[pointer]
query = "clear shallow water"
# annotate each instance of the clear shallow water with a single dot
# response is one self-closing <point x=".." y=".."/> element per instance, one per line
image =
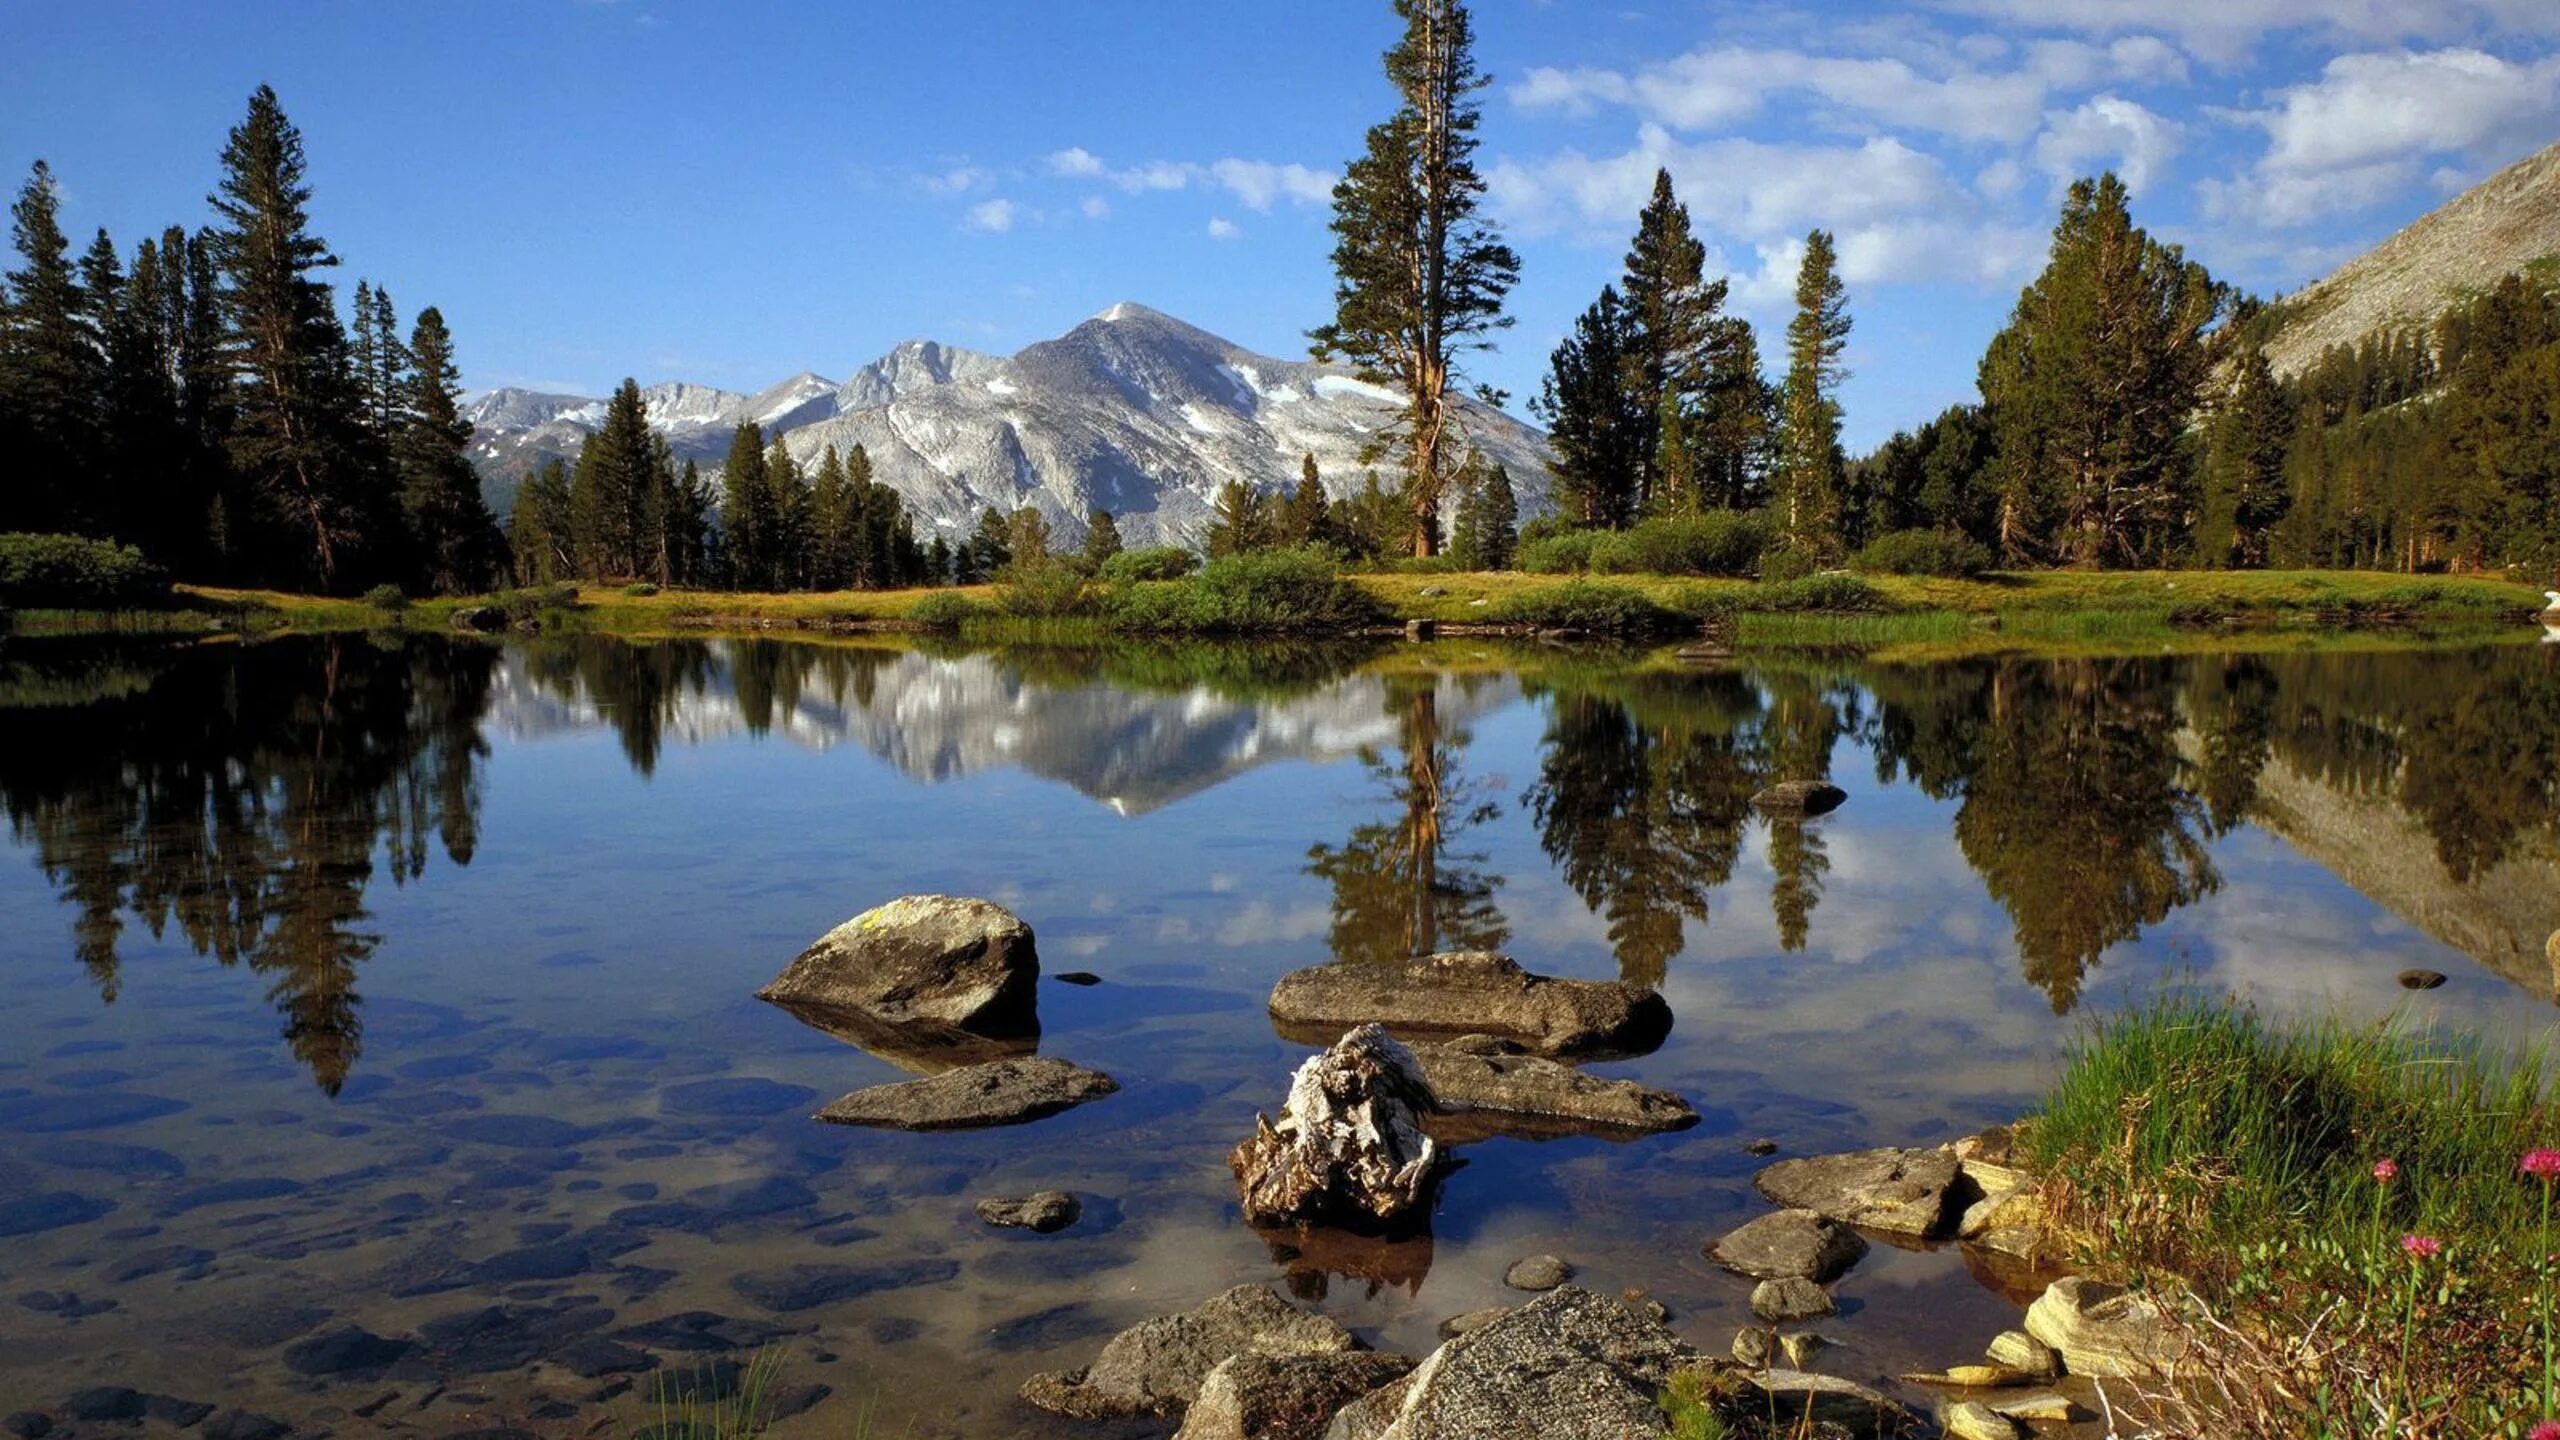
<point x="382" y="982"/>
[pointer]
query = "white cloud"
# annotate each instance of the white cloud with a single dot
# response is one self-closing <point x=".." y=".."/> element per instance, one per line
<point x="1259" y="182"/>
<point x="958" y="180"/>
<point x="1923" y="89"/>
<point x="2224" y="31"/>
<point x="994" y="216"/>
<point x="1075" y="160"/>
<point x="2365" y="128"/>
<point x="1095" y="208"/>
<point x="1221" y="228"/>
<point x="2107" y="133"/>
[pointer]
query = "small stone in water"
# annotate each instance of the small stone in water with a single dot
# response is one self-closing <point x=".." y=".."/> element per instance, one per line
<point x="1762" y="1146"/>
<point x="1538" y="1272"/>
<point x="2420" y="979"/>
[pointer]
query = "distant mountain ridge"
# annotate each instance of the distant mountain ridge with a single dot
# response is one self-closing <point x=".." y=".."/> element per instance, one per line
<point x="2501" y="225"/>
<point x="1133" y="411"/>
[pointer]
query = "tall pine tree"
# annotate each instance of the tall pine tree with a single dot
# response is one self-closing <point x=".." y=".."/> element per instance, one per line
<point x="49" y="371"/>
<point x="1420" y="275"/>
<point x="747" y="519"/>
<point x="1598" y="421"/>
<point x="1810" y="464"/>
<point x="452" y="536"/>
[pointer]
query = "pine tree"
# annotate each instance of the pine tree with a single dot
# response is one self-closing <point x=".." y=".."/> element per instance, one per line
<point x="1497" y="521"/>
<point x="1810" y="464"/>
<point x="834" y="525"/>
<point x="1735" y="430"/>
<point x="215" y="498"/>
<point x="541" y="530"/>
<point x="1027" y="538"/>
<point x="1239" y="520"/>
<point x="1101" y="539"/>
<point x="790" y="538"/>
<point x="1596" y="420"/>
<point x="611" y="489"/>
<point x="2249" y="438"/>
<point x="2092" y="386"/>
<point x="1301" y="518"/>
<point x="937" y="562"/>
<point x="746" y="511"/>
<point x="146" y="439"/>
<point x="49" y="371"/>
<point x="989" y="551"/>
<point x="292" y="390"/>
<point x="451" y="532"/>
<point x="684" y="525"/>
<point x="1677" y="336"/>
<point x="1420" y="275"/>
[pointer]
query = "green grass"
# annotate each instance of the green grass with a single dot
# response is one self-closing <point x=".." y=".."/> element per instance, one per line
<point x="2194" y="1147"/>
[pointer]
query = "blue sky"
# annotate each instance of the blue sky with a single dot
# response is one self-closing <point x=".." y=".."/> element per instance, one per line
<point x="728" y="193"/>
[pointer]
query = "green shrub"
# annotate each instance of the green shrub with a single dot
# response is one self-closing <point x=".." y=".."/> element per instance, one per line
<point x="1440" y="564"/>
<point x="1161" y="562"/>
<point x="66" y="572"/>
<point x="1830" y="592"/>
<point x="1044" y="591"/>
<point x="1265" y="592"/>
<point x="1590" y="608"/>
<point x="389" y="598"/>
<point x="1720" y="542"/>
<point x="529" y="605"/>
<point x="943" y="610"/>
<point x="1924" y="552"/>
<point x="1567" y="552"/>
<point x="641" y="591"/>
<point x="1786" y="563"/>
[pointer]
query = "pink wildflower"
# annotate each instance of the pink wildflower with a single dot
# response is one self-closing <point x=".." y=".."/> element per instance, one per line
<point x="2386" y="1170"/>
<point x="2547" y="1430"/>
<point x="2542" y="1165"/>
<point x="2422" y="1247"/>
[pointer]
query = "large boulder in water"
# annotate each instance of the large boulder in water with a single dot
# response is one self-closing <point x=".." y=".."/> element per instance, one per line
<point x="932" y="959"/>
<point x="1471" y="992"/>
<point x="1348" y="1148"/>
<point x="1569" y="1365"/>
<point x="1284" y="1397"/>
<point x="1157" y="1367"/>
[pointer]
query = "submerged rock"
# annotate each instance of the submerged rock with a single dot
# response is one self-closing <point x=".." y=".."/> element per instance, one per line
<point x="1569" y="1365"/>
<point x="1799" y="799"/>
<point x="1348" y="1148"/>
<point x="1790" y="1298"/>
<point x="1284" y="1397"/>
<point x="938" y="959"/>
<point x="1471" y="992"/>
<point x="1791" y="1244"/>
<point x="1486" y="1086"/>
<point x="1045" y="1212"/>
<point x="1538" y="1272"/>
<point x="1900" y="1192"/>
<point x="2105" y="1332"/>
<point x="1157" y="1367"/>
<point x="923" y="1047"/>
<point x="999" y="1092"/>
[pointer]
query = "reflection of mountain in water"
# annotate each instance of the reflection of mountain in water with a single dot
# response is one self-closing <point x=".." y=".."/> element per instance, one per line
<point x="2502" y="916"/>
<point x="938" y="718"/>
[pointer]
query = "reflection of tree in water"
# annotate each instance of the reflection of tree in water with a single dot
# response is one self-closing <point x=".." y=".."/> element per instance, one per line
<point x="2074" y="809"/>
<point x="1805" y="719"/>
<point x="1399" y="889"/>
<point x="244" y="796"/>
<point x="636" y="689"/>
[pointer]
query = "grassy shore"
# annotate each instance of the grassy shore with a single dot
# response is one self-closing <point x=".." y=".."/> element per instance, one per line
<point x="2062" y="610"/>
<point x="2350" y="1220"/>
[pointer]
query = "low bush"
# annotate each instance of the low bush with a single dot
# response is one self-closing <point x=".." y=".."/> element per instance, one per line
<point x="1564" y="553"/>
<point x="1787" y="563"/>
<point x="1720" y="542"/>
<point x="943" y="610"/>
<point x="1924" y="552"/>
<point x="529" y="605"/>
<point x="1266" y="592"/>
<point x="1044" y="592"/>
<point x="67" y="572"/>
<point x="641" y="591"/>
<point x="1829" y="592"/>
<point x="1590" y="608"/>
<point x="1161" y="562"/>
<point x="389" y="598"/>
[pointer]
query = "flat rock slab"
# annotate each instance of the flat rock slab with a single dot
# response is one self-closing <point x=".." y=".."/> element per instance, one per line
<point x="1569" y="1365"/>
<point x="1284" y="1397"/>
<point x="1790" y="1245"/>
<point x="934" y="958"/>
<point x="1471" y="992"/>
<point x="1900" y="1192"/>
<point x="998" y="1092"/>
<point x="1495" y="1087"/>
<point x="1789" y="1299"/>
<point x="1799" y="799"/>
<point x="1157" y="1367"/>
<point x="2105" y="1332"/>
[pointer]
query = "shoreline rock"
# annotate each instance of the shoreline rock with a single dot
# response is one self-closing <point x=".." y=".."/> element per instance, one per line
<point x="1471" y="992"/>
<point x="1894" y="1191"/>
<point x="1488" y="1086"/>
<point x="1158" y="1366"/>
<point x="1790" y="1245"/>
<point x="938" y="959"/>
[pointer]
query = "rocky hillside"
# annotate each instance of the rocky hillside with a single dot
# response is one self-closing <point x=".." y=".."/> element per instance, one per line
<point x="2503" y="224"/>
<point x="1133" y="410"/>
